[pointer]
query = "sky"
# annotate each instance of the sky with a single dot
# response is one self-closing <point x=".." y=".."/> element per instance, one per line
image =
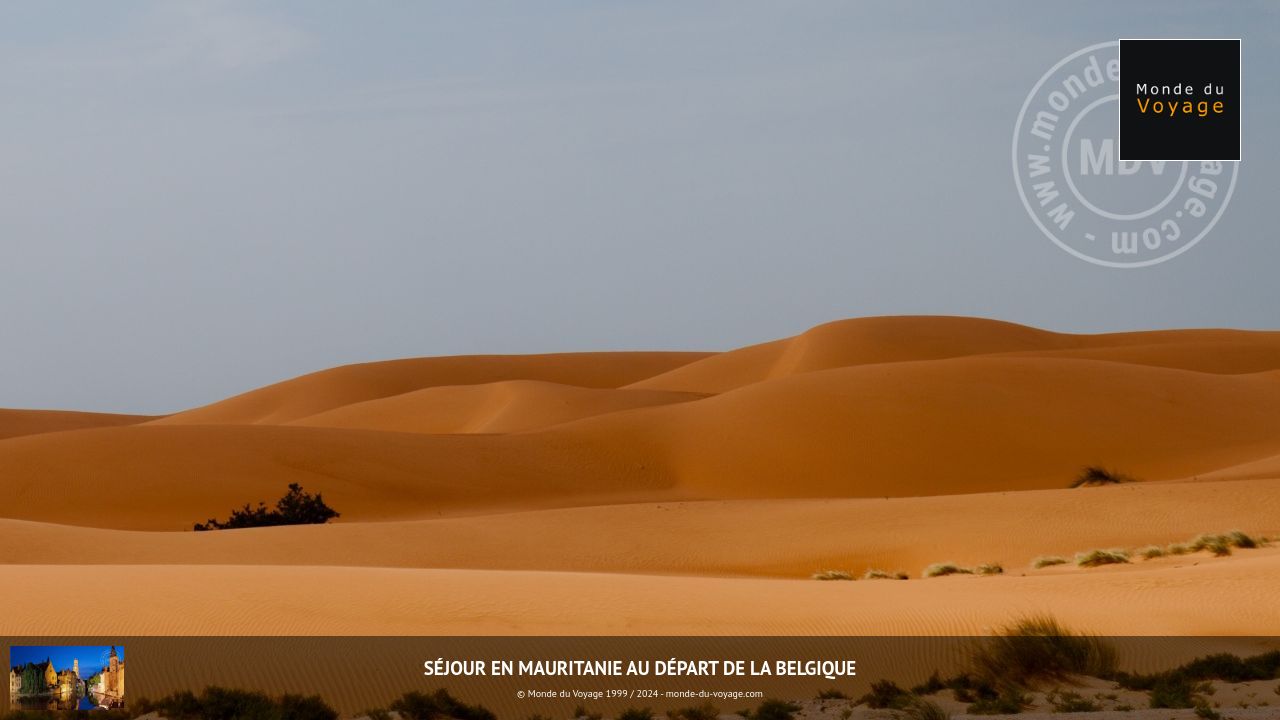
<point x="200" y="198"/>
<point x="92" y="657"/>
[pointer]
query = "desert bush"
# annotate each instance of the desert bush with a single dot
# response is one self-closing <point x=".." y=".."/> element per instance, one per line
<point x="1039" y="648"/>
<point x="876" y="574"/>
<point x="832" y="575"/>
<point x="990" y="569"/>
<point x="886" y="694"/>
<point x="1094" y="475"/>
<point x="295" y="508"/>
<point x="934" y="684"/>
<point x="1219" y="545"/>
<point x="946" y="568"/>
<point x="1096" y="558"/>
<point x="1243" y="541"/>
<point x="1178" y="549"/>
<point x="832" y="694"/>
<point x="1173" y="691"/>
<point x="436" y="705"/>
<point x="217" y="703"/>
<point x="582" y="713"/>
<point x="1045" y="561"/>
<point x="1151" y="552"/>
<point x="1009" y="702"/>
<point x="636" y="714"/>
<point x="775" y="710"/>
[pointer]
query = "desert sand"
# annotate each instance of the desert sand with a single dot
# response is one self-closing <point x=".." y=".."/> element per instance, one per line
<point x="674" y="493"/>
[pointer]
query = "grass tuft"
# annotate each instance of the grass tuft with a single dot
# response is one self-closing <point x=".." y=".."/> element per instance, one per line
<point x="1040" y="648"/>
<point x="990" y="569"/>
<point x="1151" y="552"/>
<point x="1045" y="561"/>
<point x="876" y="574"/>
<point x="832" y="575"/>
<point x="943" y="569"/>
<point x="1097" y="558"/>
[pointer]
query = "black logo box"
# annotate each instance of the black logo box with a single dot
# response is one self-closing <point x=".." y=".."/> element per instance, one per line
<point x="1186" y="66"/>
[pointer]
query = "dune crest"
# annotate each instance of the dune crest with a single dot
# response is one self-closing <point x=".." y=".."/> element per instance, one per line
<point x="19" y="423"/>
<point x="501" y="407"/>
<point x="650" y="493"/>
<point x="328" y="389"/>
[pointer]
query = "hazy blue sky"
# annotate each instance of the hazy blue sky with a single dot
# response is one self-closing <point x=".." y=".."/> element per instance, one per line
<point x="203" y="197"/>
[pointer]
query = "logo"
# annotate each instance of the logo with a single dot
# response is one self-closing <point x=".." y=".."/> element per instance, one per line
<point x="1107" y="211"/>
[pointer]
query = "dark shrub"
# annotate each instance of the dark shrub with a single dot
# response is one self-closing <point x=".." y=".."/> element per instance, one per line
<point x="1038" y="648"/>
<point x="295" y="508"/>
<point x="933" y="685"/>
<point x="886" y="694"/>
<point x="1096" y="475"/>
<point x="1009" y="702"/>
<point x="1173" y="691"/>
<point x="775" y="710"/>
<point x="298" y="707"/>
<point x="437" y="706"/>
<point x="636" y="714"/>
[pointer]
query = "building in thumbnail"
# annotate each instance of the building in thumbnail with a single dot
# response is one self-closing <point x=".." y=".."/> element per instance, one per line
<point x="33" y="678"/>
<point x="110" y="686"/>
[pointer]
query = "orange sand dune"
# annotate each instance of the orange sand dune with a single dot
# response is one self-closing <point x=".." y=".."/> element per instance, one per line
<point x="16" y="423"/>
<point x="165" y="477"/>
<point x="1258" y="353"/>
<point x="943" y="427"/>
<point x="722" y="538"/>
<point x="652" y="493"/>
<point x="962" y="425"/>
<point x="1235" y="596"/>
<point x="328" y="389"/>
<point x="502" y="407"/>
<point x="864" y="341"/>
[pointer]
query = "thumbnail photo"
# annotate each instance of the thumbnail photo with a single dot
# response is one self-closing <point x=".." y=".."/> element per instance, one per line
<point x="66" y="677"/>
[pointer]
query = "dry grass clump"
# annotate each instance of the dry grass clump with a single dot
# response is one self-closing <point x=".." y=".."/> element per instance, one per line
<point x="1151" y="552"/>
<point x="1219" y="545"/>
<point x="1039" y="648"/>
<point x="1045" y="561"/>
<point x="989" y="569"/>
<point x="1242" y="540"/>
<point x="832" y="575"/>
<point x="1099" y="557"/>
<point x="877" y="574"/>
<point x="943" y="569"/>
<point x="1178" y="549"/>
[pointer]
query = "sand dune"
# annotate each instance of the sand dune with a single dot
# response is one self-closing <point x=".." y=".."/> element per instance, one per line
<point x="648" y="493"/>
<point x="17" y="423"/>
<point x="502" y="407"/>
<point x="224" y="600"/>
<point x="865" y="341"/>
<point x="966" y="425"/>
<point x="328" y="389"/>
<point x="721" y="538"/>
<point x="945" y="427"/>
<point x="167" y="477"/>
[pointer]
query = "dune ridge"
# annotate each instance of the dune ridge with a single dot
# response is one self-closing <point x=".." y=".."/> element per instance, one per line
<point x="20" y="423"/>
<point x="601" y="492"/>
